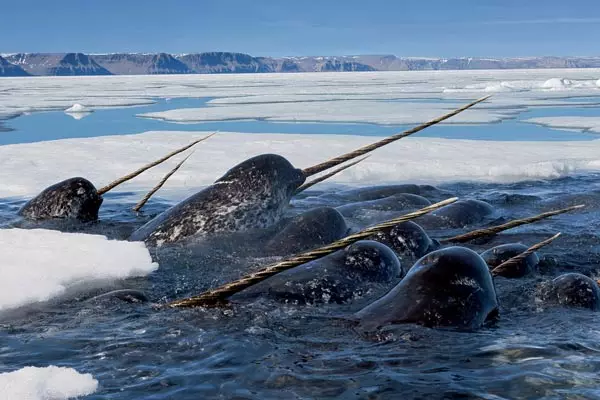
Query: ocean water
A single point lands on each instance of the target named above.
(269, 350)
(265, 350)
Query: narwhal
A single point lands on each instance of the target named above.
(77, 198)
(252, 195)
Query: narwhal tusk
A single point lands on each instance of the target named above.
(368, 148)
(132, 175)
(160, 184)
(329, 175)
(492, 230)
(217, 296)
(511, 262)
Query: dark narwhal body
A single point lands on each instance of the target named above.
(408, 240)
(575, 290)
(457, 215)
(499, 254)
(253, 194)
(314, 228)
(336, 278)
(74, 198)
(451, 287)
(382, 191)
(398, 202)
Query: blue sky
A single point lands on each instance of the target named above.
(444, 28)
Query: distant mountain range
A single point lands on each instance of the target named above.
(64, 64)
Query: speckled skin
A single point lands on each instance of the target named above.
(312, 229)
(336, 278)
(253, 194)
(576, 290)
(497, 255)
(408, 240)
(74, 198)
(457, 215)
(451, 287)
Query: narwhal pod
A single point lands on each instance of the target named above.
(314, 228)
(450, 287)
(397, 202)
(408, 240)
(573, 290)
(74, 198)
(336, 278)
(499, 254)
(457, 215)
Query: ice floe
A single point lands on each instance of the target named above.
(570, 123)
(39, 264)
(49, 383)
(512, 88)
(26, 169)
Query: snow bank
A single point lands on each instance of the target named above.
(38, 264)
(50, 383)
(591, 124)
(26, 169)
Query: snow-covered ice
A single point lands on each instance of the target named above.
(39, 264)
(49, 383)
(513, 89)
(570, 123)
(356, 111)
(26, 169)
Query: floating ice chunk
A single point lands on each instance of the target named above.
(39, 264)
(50, 383)
(591, 124)
(557, 83)
(78, 108)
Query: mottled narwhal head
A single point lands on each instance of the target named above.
(372, 261)
(264, 173)
(336, 278)
(575, 290)
(499, 254)
(451, 287)
(74, 198)
(408, 240)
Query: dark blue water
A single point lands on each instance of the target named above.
(52, 125)
(268, 350)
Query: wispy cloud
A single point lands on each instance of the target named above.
(544, 21)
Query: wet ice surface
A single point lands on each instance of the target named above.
(271, 350)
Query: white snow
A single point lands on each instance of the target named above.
(49, 383)
(26, 169)
(569, 123)
(39, 264)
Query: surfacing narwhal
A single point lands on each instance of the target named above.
(252, 195)
(77, 198)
